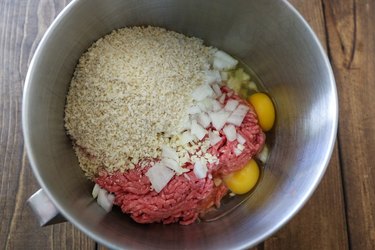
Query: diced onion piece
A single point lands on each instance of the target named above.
(214, 138)
(224, 75)
(217, 89)
(237, 151)
(204, 120)
(168, 152)
(230, 132)
(159, 176)
(223, 61)
(172, 164)
(103, 200)
(197, 130)
(231, 105)
(194, 110)
(219, 119)
(202, 92)
(200, 169)
(238, 115)
(186, 137)
(95, 190)
(263, 155)
(202, 106)
(222, 99)
(212, 76)
(253, 86)
(216, 106)
(241, 140)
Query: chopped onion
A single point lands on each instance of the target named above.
(222, 99)
(194, 110)
(230, 132)
(224, 75)
(186, 137)
(253, 86)
(241, 140)
(200, 169)
(214, 138)
(231, 105)
(216, 106)
(219, 119)
(159, 176)
(202, 106)
(95, 190)
(104, 201)
(223, 61)
(172, 164)
(197, 130)
(237, 151)
(263, 155)
(204, 120)
(238, 115)
(212, 76)
(217, 89)
(202, 92)
(168, 152)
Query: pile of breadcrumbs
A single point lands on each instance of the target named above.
(130, 94)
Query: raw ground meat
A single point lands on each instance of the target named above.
(185, 197)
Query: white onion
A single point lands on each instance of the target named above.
(95, 190)
(168, 152)
(223, 61)
(231, 105)
(237, 152)
(253, 86)
(197, 130)
(222, 99)
(202, 92)
(263, 155)
(212, 76)
(241, 140)
(214, 138)
(204, 120)
(202, 106)
(200, 169)
(217, 89)
(230, 132)
(238, 115)
(219, 119)
(194, 110)
(172, 164)
(159, 176)
(216, 105)
(224, 75)
(186, 137)
(104, 201)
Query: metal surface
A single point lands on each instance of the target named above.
(45, 211)
(269, 36)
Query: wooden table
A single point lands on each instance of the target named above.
(340, 214)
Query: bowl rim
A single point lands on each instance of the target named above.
(97, 237)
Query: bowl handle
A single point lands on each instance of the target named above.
(44, 209)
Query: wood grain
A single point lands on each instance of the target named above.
(22, 25)
(340, 214)
(321, 223)
(351, 26)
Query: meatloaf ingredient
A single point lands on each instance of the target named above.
(243, 180)
(265, 110)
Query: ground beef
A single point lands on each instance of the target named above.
(185, 197)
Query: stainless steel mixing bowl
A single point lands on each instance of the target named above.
(269, 36)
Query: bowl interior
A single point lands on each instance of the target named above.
(269, 36)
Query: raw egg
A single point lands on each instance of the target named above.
(265, 110)
(243, 180)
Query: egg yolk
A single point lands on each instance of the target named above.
(243, 180)
(265, 110)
